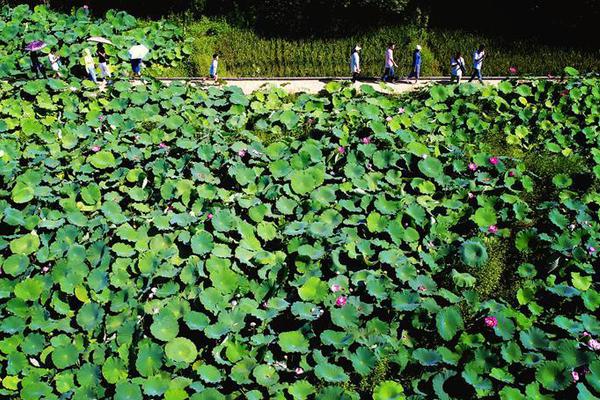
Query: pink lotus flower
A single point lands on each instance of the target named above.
(45, 269)
(422, 288)
(209, 216)
(162, 145)
(341, 301)
(85, 7)
(335, 288)
(341, 150)
(401, 110)
(96, 149)
(513, 70)
(493, 160)
(299, 371)
(591, 249)
(242, 153)
(472, 166)
(471, 195)
(101, 118)
(586, 334)
(388, 119)
(575, 376)
(491, 322)
(593, 344)
(493, 229)
(366, 140)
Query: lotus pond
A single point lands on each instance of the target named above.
(68, 33)
(182, 242)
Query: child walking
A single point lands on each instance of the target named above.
(54, 59)
(457, 63)
(214, 66)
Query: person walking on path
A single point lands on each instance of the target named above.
(416, 64)
(214, 66)
(457, 63)
(36, 65)
(478, 57)
(102, 57)
(54, 59)
(390, 64)
(355, 63)
(90, 67)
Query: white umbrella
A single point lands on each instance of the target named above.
(138, 51)
(99, 39)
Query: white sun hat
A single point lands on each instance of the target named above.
(418, 47)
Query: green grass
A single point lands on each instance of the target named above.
(245, 53)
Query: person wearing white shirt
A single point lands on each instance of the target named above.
(355, 63)
(390, 64)
(478, 57)
(54, 59)
(214, 66)
(457, 64)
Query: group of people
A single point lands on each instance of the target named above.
(88, 61)
(457, 65)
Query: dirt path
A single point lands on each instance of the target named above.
(297, 85)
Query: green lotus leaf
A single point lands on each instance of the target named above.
(149, 358)
(29, 289)
(552, 375)
(293, 342)
(474, 253)
(448, 322)
(439, 93)
(164, 327)
(102, 160)
(431, 167)
(427, 357)
(485, 217)
(65, 356)
(265, 375)
(90, 316)
(25, 244)
(181, 350)
(127, 391)
(301, 390)
(209, 374)
(388, 390)
(330, 373)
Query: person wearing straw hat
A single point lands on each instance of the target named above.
(416, 64)
(102, 57)
(90, 67)
(355, 63)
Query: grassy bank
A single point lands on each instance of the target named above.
(244, 53)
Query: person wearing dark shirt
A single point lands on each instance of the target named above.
(416, 64)
(102, 57)
(36, 65)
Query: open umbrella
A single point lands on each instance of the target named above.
(138, 51)
(99, 39)
(35, 45)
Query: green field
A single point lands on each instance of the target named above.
(187, 242)
(244, 53)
